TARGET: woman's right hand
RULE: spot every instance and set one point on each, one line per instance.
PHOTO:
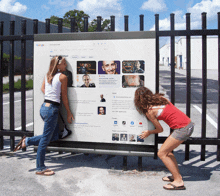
(144, 134)
(70, 118)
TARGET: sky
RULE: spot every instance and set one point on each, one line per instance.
(42, 9)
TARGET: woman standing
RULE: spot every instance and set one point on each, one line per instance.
(54, 87)
(156, 108)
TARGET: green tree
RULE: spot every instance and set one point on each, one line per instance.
(6, 59)
(54, 20)
(79, 18)
(105, 25)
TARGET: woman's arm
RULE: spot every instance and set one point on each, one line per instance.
(64, 81)
(158, 128)
(43, 86)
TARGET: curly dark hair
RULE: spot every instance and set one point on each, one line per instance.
(144, 99)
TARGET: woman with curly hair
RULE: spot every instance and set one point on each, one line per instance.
(156, 108)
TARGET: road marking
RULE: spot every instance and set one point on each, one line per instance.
(207, 117)
(27, 125)
(17, 101)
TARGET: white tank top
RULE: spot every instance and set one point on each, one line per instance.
(53, 90)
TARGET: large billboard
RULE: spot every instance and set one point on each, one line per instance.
(104, 70)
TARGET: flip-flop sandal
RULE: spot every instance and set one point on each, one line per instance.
(19, 145)
(170, 179)
(46, 172)
(174, 187)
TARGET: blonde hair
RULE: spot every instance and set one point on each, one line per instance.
(53, 68)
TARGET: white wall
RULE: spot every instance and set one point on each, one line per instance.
(196, 52)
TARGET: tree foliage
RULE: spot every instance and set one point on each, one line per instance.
(79, 21)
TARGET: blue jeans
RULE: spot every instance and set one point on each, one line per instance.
(50, 133)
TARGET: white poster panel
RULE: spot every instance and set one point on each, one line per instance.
(112, 69)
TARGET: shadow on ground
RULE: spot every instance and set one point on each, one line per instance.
(192, 170)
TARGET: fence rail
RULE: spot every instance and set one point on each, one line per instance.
(172, 33)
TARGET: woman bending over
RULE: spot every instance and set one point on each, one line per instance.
(156, 108)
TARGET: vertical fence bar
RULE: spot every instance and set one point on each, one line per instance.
(204, 84)
(126, 22)
(112, 23)
(1, 86)
(172, 55)
(35, 26)
(125, 162)
(140, 164)
(188, 75)
(141, 29)
(73, 24)
(23, 78)
(35, 31)
(157, 72)
(60, 25)
(11, 84)
(218, 146)
(99, 27)
(60, 30)
(141, 22)
(47, 27)
(86, 24)
(23, 73)
(125, 157)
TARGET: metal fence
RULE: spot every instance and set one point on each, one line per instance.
(172, 33)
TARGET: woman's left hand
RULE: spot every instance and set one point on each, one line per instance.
(144, 134)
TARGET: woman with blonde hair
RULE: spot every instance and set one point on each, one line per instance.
(54, 87)
(156, 108)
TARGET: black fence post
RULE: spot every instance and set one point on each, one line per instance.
(1, 86)
(173, 64)
(99, 27)
(23, 78)
(172, 55)
(60, 30)
(204, 84)
(11, 84)
(140, 164)
(218, 146)
(47, 27)
(188, 75)
(86, 24)
(73, 24)
(157, 72)
(112, 23)
(126, 22)
(141, 29)
(60, 25)
(141, 22)
(125, 162)
(35, 26)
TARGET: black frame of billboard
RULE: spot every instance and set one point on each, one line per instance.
(99, 147)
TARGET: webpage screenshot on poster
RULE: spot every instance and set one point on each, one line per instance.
(102, 78)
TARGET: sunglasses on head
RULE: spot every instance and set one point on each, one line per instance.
(59, 58)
